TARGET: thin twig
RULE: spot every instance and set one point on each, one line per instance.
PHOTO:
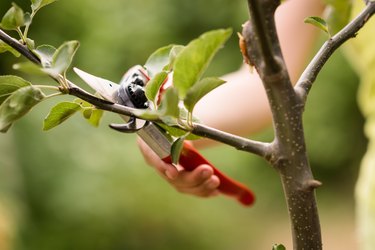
(308, 77)
(19, 47)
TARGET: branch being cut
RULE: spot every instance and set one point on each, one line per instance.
(308, 77)
(258, 148)
(240, 143)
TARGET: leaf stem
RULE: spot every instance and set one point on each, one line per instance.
(19, 31)
(47, 87)
(53, 95)
(190, 119)
(32, 14)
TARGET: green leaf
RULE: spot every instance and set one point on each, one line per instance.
(95, 117)
(158, 60)
(278, 247)
(176, 149)
(168, 111)
(13, 18)
(153, 86)
(90, 112)
(5, 47)
(18, 104)
(169, 120)
(45, 53)
(184, 113)
(318, 22)
(148, 114)
(177, 132)
(37, 4)
(29, 67)
(162, 59)
(10, 84)
(82, 103)
(62, 58)
(169, 103)
(27, 19)
(60, 113)
(199, 90)
(30, 43)
(175, 51)
(194, 59)
(87, 112)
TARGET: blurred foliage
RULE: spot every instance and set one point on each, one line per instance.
(362, 55)
(77, 187)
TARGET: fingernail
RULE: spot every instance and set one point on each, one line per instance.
(205, 174)
(169, 174)
(212, 185)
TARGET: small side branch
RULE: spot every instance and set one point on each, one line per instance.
(308, 77)
(259, 148)
(243, 144)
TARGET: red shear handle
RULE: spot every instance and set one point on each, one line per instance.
(191, 159)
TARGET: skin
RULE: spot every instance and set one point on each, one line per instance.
(297, 40)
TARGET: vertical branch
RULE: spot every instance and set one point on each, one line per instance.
(288, 155)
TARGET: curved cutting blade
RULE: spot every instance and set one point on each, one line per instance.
(105, 88)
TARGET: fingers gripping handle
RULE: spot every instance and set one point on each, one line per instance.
(191, 159)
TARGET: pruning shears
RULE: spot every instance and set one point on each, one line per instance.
(130, 92)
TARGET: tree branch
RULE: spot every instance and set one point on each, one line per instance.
(288, 150)
(308, 77)
(238, 142)
(19, 47)
(259, 148)
(264, 52)
(265, 45)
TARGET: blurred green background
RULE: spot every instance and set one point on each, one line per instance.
(79, 187)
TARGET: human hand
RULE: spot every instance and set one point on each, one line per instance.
(200, 182)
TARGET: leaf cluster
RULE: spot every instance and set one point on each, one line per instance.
(184, 66)
(173, 104)
(18, 96)
(16, 19)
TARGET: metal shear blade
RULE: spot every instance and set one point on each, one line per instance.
(133, 125)
(103, 87)
(108, 90)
